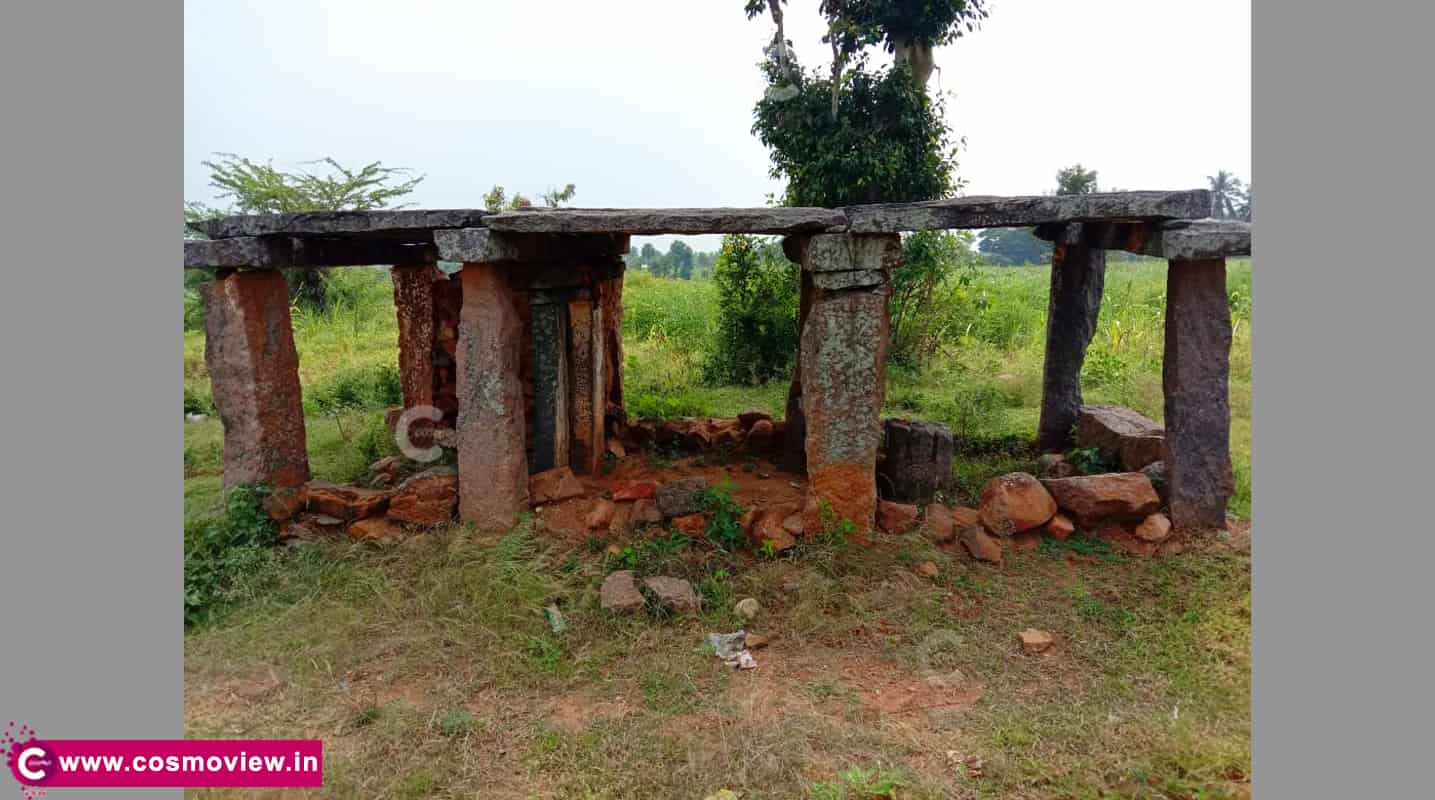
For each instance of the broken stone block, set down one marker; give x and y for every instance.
(896, 518)
(601, 515)
(1129, 437)
(428, 498)
(674, 593)
(918, 459)
(981, 545)
(692, 525)
(620, 593)
(1060, 527)
(1154, 528)
(344, 502)
(1035, 641)
(283, 502)
(1013, 503)
(553, 485)
(634, 490)
(1094, 498)
(374, 528)
(939, 523)
(682, 497)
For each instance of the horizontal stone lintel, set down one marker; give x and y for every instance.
(413, 225)
(651, 221)
(286, 253)
(1004, 212)
(1175, 240)
(484, 246)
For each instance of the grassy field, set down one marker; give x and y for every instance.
(429, 670)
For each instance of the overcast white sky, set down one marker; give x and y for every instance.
(649, 102)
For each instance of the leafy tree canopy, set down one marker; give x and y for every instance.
(1076, 179)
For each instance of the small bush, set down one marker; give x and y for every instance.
(220, 554)
(724, 530)
(365, 387)
(758, 290)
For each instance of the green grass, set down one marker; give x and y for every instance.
(429, 669)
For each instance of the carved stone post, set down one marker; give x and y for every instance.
(843, 372)
(254, 373)
(1195, 377)
(1078, 272)
(549, 322)
(492, 460)
(587, 404)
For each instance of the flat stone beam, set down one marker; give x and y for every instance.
(999, 212)
(1195, 377)
(1078, 273)
(412, 225)
(285, 253)
(492, 460)
(649, 221)
(254, 373)
(482, 245)
(1184, 240)
(843, 364)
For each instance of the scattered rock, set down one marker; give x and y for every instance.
(673, 593)
(1060, 527)
(622, 518)
(748, 608)
(645, 512)
(284, 502)
(769, 527)
(620, 592)
(1015, 502)
(928, 569)
(751, 417)
(614, 549)
(551, 486)
(1156, 473)
(981, 545)
(792, 523)
(601, 515)
(963, 518)
(896, 517)
(344, 502)
(1055, 465)
(634, 490)
(373, 528)
(1091, 498)
(616, 449)
(757, 641)
(1034, 641)
(1131, 438)
(691, 525)
(939, 523)
(727, 645)
(389, 465)
(760, 436)
(682, 497)
(428, 498)
(1154, 528)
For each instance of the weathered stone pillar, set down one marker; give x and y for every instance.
(550, 382)
(587, 390)
(843, 368)
(1195, 377)
(610, 292)
(1078, 272)
(254, 375)
(492, 461)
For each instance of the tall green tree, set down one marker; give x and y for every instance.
(757, 312)
(255, 188)
(1228, 196)
(680, 260)
(1076, 179)
(1013, 246)
(854, 134)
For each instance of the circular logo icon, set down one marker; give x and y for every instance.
(34, 763)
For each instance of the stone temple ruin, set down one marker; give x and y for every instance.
(520, 351)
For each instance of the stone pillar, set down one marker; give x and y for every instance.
(794, 445)
(610, 292)
(413, 303)
(587, 389)
(843, 369)
(1195, 377)
(550, 382)
(492, 461)
(1078, 272)
(254, 375)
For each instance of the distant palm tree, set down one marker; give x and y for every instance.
(1226, 194)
